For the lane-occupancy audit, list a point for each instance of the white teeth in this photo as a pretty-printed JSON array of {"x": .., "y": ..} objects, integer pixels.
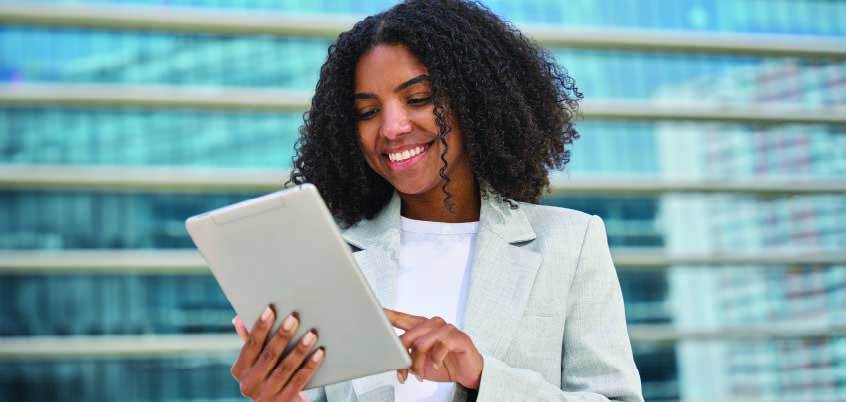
[{"x": 401, "y": 156}]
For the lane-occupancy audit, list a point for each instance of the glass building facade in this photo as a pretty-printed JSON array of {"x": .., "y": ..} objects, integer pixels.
[
  {"x": 787, "y": 295},
  {"x": 719, "y": 326}
]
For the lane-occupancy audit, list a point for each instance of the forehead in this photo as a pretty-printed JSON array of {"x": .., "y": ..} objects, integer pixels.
[{"x": 384, "y": 67}]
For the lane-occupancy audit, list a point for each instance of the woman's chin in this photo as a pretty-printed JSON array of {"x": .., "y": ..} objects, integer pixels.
[{"x": 414, "y": 188}]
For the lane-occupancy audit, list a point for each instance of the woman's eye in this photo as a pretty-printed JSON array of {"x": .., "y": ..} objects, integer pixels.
[
  {"x": 368, "y": 114},
  {"x": 419, "y": 101}
]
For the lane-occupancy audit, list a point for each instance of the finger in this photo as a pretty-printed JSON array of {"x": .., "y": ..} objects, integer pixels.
[
  {"x": 438, "y": 353},
  {"x": 402, "y": 320},
  {"x": 303, "y": 397},
  {"x": 402, "y": 375},
  {"x": 423, "y": 327},
  {"x": 302, "y": 375},
  {"x": 420, "y": 347},
  {"x": 411, "y": 336},
  {"x": 256, "y": 376},
  {"x": 240, "y": 328},
  {"x": 283, "y": 373},
  {"x": 254, "y": 344}
]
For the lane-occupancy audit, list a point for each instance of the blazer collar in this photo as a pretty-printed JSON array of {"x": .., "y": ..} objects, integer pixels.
[
  {"x": 511, "y": 225},
  {"x": 379, "y": 231}
]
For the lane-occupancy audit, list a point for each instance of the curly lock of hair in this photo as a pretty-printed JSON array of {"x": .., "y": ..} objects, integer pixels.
[{"x": 514, "y": 105}]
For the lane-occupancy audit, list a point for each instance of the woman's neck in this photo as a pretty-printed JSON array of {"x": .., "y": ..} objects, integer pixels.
[{"x": 429, "y": 206}]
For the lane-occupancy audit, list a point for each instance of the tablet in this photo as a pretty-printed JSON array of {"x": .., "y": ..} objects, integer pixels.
[{"x": 285, "y": 249}]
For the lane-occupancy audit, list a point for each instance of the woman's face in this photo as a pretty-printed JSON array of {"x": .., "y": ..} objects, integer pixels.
[{"x": 396, "y": 123}]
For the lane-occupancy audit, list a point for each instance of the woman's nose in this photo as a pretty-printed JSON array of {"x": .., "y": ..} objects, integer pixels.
[{"x": 395, "y": 122}]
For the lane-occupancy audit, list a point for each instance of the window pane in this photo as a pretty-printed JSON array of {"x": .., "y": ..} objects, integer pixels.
[
  {"x": 775, "y": 16},
  {"x": 86, "y": 56},
  {"x": 112, "y": 304},
  {"x": 147, "y": 137},
  {"x": 107, "y": 380}
]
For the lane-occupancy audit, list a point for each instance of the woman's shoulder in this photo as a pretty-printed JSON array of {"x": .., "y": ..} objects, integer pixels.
[
  {"x": 559, "y": 224},
  {"x": 545, "y": 215}
]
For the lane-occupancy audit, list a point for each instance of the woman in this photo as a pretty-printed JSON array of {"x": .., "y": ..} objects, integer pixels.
[{"x": 430, "y": 136}]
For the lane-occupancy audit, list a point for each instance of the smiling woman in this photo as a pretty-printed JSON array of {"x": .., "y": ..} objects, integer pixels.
[
  {"x": 400, "y": 138},
  {"x": 431, "y": 134},
  {"x": 512, "y": 104}
]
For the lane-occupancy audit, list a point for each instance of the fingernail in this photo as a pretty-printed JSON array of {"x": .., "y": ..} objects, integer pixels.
[
  {"x": 317, "y": 356},
  {"x": 308, "y": 339},
  {"x": 233, "y": 321},
  {"x": 288, "y": 324},
  {"x": 399, "y": 377},
  {"x": 265, "y": 316},
  {"x": 303, "y": 396},
  {"x": 418, "y": 378},
  {"x": 436, "y": 366}
]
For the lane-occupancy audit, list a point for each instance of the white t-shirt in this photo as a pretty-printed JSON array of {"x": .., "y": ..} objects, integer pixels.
[{"x": 434, "y": 272}]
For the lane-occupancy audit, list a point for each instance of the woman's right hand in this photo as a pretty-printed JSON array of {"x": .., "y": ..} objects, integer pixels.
[{"x": 262, "y": 376}]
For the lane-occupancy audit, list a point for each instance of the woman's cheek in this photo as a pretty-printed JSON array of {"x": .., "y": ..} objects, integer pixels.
[{"x": 366, "y": 138}]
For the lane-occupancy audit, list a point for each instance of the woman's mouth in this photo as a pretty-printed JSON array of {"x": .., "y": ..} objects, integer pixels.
[{"x": 407, "y": 157}]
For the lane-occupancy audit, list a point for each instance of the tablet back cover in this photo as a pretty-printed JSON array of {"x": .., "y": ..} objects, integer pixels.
[{"x": 285, "y": 249}]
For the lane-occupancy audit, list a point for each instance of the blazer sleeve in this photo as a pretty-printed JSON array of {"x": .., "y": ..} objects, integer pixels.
[
  {"x": 316, "y": 394},
  {"x": 596, "y": 362}
]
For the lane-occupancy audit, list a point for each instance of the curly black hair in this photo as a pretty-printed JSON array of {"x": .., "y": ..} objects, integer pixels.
[{"x": 514, "y": 105}]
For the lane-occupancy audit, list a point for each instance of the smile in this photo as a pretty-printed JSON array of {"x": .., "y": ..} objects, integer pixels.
[{"x": 407, "y": 157}]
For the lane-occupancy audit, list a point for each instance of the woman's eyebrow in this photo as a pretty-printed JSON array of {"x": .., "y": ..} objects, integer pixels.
[
  {"x": 404, "y": 85},
  {"x": 400, "y": 87},
  {"x": 367, "y": 95}
]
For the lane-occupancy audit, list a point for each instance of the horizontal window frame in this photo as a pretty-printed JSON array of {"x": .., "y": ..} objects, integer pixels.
[
  {"x": 188, "y": 261},
  {"x": 281, "y": 100},
  {"x": 198, "y": 179},
  {"x": 50, "y": 347}
]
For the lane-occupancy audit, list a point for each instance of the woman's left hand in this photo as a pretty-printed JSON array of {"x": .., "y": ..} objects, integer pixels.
[{"x": 439, "y": 351}]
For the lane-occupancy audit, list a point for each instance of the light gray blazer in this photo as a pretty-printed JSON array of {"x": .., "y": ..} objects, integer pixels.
[{"x": 544, "y": 307}]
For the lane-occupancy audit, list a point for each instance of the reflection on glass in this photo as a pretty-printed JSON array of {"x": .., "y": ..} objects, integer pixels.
[
  {"x": 62, "y": 135},
  {"x": 112, "y": 304},
  {"x": 713, "y": 301},
  {"x": 772, "y": 16},
  {"x": 133, "y": 380}
]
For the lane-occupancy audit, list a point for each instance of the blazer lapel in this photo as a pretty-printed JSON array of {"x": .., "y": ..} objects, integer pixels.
[
  {"x": 501, "y": 277},
  {"x": 378, "y": 241}
]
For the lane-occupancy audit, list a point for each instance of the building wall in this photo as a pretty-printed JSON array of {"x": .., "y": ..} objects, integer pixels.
[
  {"x": 37, "y": 305},
  {"x": 790, "y": 369}
]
